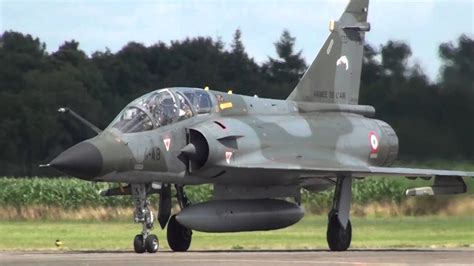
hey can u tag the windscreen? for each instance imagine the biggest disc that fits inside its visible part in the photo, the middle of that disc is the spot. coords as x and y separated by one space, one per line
156 109
198 98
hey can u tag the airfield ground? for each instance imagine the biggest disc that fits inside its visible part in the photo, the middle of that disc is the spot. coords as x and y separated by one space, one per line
308 234
249 258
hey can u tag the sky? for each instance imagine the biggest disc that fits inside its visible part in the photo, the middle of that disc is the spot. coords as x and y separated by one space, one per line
423 24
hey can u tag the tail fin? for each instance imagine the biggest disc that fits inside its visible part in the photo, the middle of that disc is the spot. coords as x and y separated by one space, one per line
334 76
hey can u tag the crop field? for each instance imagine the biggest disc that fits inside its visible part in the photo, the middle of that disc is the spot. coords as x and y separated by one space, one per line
310 233
70 193
69 198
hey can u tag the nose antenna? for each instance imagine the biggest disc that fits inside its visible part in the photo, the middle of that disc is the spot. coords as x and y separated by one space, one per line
67 110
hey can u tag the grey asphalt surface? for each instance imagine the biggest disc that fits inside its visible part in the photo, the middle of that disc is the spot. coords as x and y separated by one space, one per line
260 258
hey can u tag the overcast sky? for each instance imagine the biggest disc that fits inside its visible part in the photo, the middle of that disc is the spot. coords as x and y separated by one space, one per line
423 24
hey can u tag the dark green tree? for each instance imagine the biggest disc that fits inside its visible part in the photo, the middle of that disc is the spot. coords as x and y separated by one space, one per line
18 54
456 94
237 45
431 119
239 72
285 71
69 52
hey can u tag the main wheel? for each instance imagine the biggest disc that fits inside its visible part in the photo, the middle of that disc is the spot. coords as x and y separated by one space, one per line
179 237
151 243
138 244
338 238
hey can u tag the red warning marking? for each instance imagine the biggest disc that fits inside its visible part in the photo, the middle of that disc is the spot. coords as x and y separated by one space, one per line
228 155
167 142
374 142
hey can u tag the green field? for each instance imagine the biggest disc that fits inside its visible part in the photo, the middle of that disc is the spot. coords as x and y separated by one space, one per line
310 233
35 212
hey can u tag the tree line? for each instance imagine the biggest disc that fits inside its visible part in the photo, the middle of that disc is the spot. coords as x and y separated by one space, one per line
433 120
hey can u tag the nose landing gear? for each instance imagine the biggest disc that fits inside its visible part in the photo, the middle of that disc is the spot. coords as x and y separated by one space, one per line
179 237
142 214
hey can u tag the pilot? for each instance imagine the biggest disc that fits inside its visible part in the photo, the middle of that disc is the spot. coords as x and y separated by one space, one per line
220 98
185 111
166 113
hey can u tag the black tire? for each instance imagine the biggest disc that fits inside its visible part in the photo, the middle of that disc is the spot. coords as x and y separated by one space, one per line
151 244
138 244
179 237
338 238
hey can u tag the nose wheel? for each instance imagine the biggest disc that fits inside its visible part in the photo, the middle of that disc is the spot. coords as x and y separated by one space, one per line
139 244
149 244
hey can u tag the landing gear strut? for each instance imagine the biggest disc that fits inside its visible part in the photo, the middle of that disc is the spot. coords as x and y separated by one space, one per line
339 233
144 241
179 237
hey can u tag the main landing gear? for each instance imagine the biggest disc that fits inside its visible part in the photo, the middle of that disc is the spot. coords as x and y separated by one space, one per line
179 237
339 233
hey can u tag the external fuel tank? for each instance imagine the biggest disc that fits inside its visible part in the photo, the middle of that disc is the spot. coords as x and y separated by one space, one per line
240 215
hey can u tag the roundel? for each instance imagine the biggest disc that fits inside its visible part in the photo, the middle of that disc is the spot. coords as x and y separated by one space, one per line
374 141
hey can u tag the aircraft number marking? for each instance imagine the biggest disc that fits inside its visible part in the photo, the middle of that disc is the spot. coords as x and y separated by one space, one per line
153 153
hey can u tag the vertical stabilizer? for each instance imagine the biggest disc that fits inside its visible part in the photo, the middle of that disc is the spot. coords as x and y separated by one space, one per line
334 76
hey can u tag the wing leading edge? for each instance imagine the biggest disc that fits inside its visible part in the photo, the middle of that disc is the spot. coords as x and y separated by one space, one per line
414 172
355 171
445 181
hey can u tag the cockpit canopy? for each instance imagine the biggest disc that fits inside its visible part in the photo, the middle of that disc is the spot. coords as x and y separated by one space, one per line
162 107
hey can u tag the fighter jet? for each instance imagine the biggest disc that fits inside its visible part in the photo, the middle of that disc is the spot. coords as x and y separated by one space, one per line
259 154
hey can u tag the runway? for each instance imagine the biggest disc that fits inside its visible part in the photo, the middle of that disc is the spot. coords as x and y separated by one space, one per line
257 258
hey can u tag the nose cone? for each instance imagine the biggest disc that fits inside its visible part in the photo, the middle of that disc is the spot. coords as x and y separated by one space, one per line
82 160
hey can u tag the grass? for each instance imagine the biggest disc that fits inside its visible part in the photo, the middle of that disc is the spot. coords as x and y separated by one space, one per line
80 228
310 233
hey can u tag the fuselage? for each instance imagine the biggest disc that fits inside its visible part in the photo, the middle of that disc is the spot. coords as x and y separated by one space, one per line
240 130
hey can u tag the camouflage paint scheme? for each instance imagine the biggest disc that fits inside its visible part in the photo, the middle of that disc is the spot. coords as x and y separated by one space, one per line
258 149
283 142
